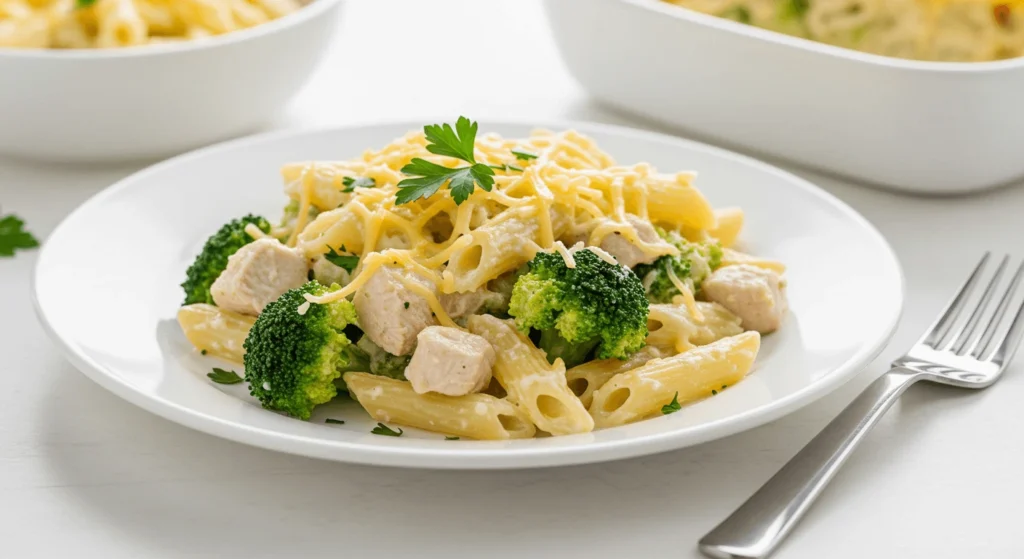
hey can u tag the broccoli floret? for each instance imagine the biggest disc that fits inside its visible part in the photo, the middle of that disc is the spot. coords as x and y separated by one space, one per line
694 264
594 305
383 363
291 213
293 359
214 257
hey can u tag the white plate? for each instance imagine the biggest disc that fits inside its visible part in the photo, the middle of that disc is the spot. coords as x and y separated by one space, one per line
106 287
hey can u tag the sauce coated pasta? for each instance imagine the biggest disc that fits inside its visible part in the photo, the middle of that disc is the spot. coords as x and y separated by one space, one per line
78 24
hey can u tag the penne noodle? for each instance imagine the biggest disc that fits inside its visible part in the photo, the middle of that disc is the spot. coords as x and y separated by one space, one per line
688 376
479 416
585 379
216 331
537 386
673 329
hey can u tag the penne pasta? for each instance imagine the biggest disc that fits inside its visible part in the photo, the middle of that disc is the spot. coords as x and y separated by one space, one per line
585 379
673 328
687 377
216 331
478 416
537 386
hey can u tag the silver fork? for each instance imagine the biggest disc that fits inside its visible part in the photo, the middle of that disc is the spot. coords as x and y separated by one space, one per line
947 354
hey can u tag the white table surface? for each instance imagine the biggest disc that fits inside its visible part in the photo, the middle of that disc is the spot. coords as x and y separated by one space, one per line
85 474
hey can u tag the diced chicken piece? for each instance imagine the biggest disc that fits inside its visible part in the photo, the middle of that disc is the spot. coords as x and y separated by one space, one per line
629 254
458 305
391 314
756 295
257 274
328 273
450 361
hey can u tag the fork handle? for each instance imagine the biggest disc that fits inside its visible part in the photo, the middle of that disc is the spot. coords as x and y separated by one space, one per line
761 523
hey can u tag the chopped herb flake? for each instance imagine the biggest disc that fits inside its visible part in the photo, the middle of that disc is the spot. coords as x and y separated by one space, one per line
523 155
672 406
352 183
382 429
346 261
220 376
13 236
334 421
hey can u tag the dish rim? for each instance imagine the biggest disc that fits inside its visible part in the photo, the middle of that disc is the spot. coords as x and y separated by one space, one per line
314 8
808 45
478 458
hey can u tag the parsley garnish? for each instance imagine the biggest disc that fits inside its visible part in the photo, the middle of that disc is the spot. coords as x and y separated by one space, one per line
202 352
523 156
220 376
673 406
427 178
334 421
451 438
506 167
714 392
382 429
346 261
13 236
407 304
360 182
84 3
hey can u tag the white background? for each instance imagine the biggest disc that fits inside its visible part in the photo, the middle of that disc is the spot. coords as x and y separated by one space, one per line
84 474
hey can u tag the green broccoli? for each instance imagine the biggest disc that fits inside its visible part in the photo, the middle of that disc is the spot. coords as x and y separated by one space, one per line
381 362
594 305
694 264
214 257
294 359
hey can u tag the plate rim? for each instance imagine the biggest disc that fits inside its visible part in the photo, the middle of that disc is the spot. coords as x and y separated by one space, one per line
469 458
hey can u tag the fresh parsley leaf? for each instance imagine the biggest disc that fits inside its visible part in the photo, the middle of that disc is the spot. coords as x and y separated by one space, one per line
407 304
451 438
84 3
334 421
360 182
427 178
220 376
458 143
346 261
382 429
13 236
506 168
673 406
523 155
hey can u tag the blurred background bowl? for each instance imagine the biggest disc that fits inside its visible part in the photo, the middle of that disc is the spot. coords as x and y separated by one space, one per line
95 105
925 127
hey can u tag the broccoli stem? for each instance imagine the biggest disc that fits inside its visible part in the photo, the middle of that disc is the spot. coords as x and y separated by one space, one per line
571 353
356 360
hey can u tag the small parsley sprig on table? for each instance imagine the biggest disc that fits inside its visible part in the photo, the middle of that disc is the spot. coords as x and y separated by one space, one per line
13 235
427 178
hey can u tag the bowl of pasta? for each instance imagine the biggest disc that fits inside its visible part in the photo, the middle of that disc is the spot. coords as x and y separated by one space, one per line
107 80
915 95
468 295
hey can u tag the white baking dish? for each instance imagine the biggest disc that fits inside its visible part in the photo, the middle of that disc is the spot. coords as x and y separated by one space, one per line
927 127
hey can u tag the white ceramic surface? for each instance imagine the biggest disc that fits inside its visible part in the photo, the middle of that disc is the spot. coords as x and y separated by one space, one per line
138 103
117 323
919 126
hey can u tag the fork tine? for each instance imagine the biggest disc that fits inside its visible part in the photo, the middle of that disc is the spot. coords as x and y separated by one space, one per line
1011 340
952 310
963 336
985 340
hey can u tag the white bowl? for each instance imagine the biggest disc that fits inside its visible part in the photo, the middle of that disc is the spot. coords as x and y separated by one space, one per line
149 102
927 127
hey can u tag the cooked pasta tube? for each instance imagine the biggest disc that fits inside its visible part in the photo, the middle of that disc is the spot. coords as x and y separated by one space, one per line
478 416
534 384
673 328
689 376
215 331
584 379
678 203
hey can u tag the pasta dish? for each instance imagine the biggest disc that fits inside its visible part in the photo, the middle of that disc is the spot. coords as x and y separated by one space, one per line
80 24
484 287
937 30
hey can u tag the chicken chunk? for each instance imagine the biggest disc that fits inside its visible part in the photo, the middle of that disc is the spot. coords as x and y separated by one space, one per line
391 314
458 305
450 361
756 295
258 274
629 254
